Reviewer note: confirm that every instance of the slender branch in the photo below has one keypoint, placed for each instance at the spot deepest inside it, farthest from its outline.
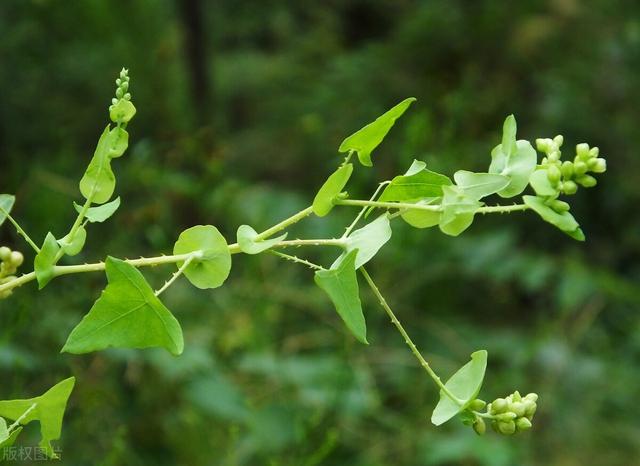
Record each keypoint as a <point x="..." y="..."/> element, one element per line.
<point x="427" y="207"/>
<point x="22" y="417"/>
<point x="311" y="242"/>
<point x="407" y="339"/>
<point x="285" y="223"/>
<point x="21" y="232"/>
<point x="364" y="209"/>
<point x="175" y="276"/>
<point x="296" y="259"/>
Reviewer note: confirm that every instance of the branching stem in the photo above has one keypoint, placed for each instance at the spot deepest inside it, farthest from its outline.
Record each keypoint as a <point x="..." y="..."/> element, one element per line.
<point x="407" y="338"/>
<point x="20" y="231"/>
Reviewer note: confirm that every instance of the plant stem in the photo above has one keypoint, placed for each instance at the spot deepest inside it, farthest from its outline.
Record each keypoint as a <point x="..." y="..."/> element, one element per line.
<point x="285" y="223"/>
<point x="20" y="231"/>
<point x="296" y="259"/>
<point x="22" y="417"/>
<point x="364" y="209"/>
<point x="175" y="276"/>
<point x="407" y="339"/>
<point x="430" y="208"/>
<point x="311" y="242"/>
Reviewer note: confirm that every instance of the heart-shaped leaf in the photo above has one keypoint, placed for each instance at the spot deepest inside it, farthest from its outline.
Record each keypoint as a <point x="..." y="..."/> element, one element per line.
<point x="101" y="213"/>
<point x="45" y="260"/>
<point x="417" y="185"/>
<point x="248" y="243"/>
<point x="6" y="204"/>
<point x="458" y="210"/>
<point x="540" y="183"/>
<point x="367" y="241"/>
<point x="465" y="385"/>
<point x="479" y="185"/>
<point x="513" y="159"/>
<point x="423" y="218"/>
<point x="73" y="246"/>
<point x="341" y="284"/>
<point x="323" y="202"/>
<point x="49" y="410"/>
<point x="564" y="220"/>
<point x="213" y="267"/>
<point x="365" y="140"/>
<point x="127" y="315"/>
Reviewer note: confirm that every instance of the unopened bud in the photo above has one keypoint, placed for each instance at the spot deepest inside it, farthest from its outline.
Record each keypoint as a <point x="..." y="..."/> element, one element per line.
<point x="567" y="169"/>
<point x="532" y="396"/>
<point x="518" y="408"/>
<point x="530" y="408"/>
<point x="587" y="181"/>
<point x="553" y="174"/>
<point x="594" y="152"/>
<point x="569" y="187"/>
<point x="479" y="426"/>
<point x="542" y="144"/>
<point x="508" y="416"/>
<point x="16" y="259"/>
<point x="580" y="168"/>
<point x="582" y="150"/>
<point x="5" y="253"/>
<point x="559" y="206"/>
<point x="507" y="428"/>
<point x="523" y="424"/>
<point x="554" y="156"/>
<point x="477" y="405"/>
<point x="599" y="165"/>
<point x="498" y="406"/>
<point x="558" y="140"/>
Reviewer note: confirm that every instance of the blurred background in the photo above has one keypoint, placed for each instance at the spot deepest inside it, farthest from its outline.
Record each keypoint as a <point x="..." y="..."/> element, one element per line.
<point x="241" y="108"/>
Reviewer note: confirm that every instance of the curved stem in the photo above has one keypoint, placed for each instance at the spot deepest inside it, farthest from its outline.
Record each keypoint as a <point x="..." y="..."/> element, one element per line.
<point x="20" y="231"/>
<point x="177" y="274"/>
<point x="364" y="209"/>
<point x="285" y="223"/>
<point x="407" y="339"/>
<point x="430" y="208"/>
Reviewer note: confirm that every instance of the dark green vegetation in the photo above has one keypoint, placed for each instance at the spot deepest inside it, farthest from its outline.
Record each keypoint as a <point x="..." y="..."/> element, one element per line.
<point x="240" y="125"/>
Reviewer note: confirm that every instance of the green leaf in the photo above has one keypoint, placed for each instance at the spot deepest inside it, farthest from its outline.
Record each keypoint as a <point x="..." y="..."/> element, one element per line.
<point x="49" y="410"/>
<point x="213" y="267"/>
<point x="514" y="159"/>
<point x="423" y="218"/>
<point x="367" y="240"/>
<point x="458" y="210"/>
<point x="101" y="213"/>
<point x="127" y="315"/>
<point x="464" y="385"/>
<point x="73" y="246"/>
<point x="479" y="185"/>
<point x="45" y="261"/>
<point x="6" y="204"/>
<point x="416" y="167"/>
<point x="248" y="244"/>
<point x="540" y="183"/>
<point x="99" y="182"/>
<point x="415" y="186"/>
<point x="323" y="202"/>
<point x="341" y="284"/>
<point x="564" y="221"/>
<point x="122" y="111"/>
<point x="365" y="140"/>
<point x="9" y="440"/>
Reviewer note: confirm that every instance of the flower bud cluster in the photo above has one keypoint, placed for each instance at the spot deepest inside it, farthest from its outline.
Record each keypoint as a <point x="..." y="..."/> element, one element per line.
<point x="513" y="413"/>
<point x="122" y="87"/>
<point x="9" y="263"/>
<point x="565" y="176"/>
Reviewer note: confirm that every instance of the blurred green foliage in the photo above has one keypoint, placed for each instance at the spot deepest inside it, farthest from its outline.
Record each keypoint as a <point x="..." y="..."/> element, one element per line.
<point x="242" y="106"/>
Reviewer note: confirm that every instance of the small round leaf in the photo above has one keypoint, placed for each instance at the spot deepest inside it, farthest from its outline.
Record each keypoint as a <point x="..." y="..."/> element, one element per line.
<point x="212" y="269"/>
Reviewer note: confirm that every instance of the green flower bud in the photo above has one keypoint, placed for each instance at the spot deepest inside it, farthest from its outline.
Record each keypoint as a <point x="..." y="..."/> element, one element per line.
<point x="532" y="396"/>
<point x="518" y="408"/>
<point x="567" y="169"/>
<point x="498" y="406"/>
<point x="554" y="156"/>
<point x="507" y="427"/>
<point x="587" y="181"/>
<point x="5" y="252"/>
<point x="559" y="206"/>
<point x="508" y="416"/>
<point x="516" y="396"/>
<point x="594" y="152"/>
<point x="553" y="173"/>
<point x="582" y="150"/>
<point x="569" y="187"/>
<point x="479" y="426"/>
<point x="530" y="408"/>
<point x="542" y="144"/>
<point x="599" y="165"/>
<point x="494" y="426"/>
<point x="558" y="140"/>
<point x="523" y="424"/>
<point x="580" y="168"/>
<point x="16" y="259"/>
<point x="477" y="405"/>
